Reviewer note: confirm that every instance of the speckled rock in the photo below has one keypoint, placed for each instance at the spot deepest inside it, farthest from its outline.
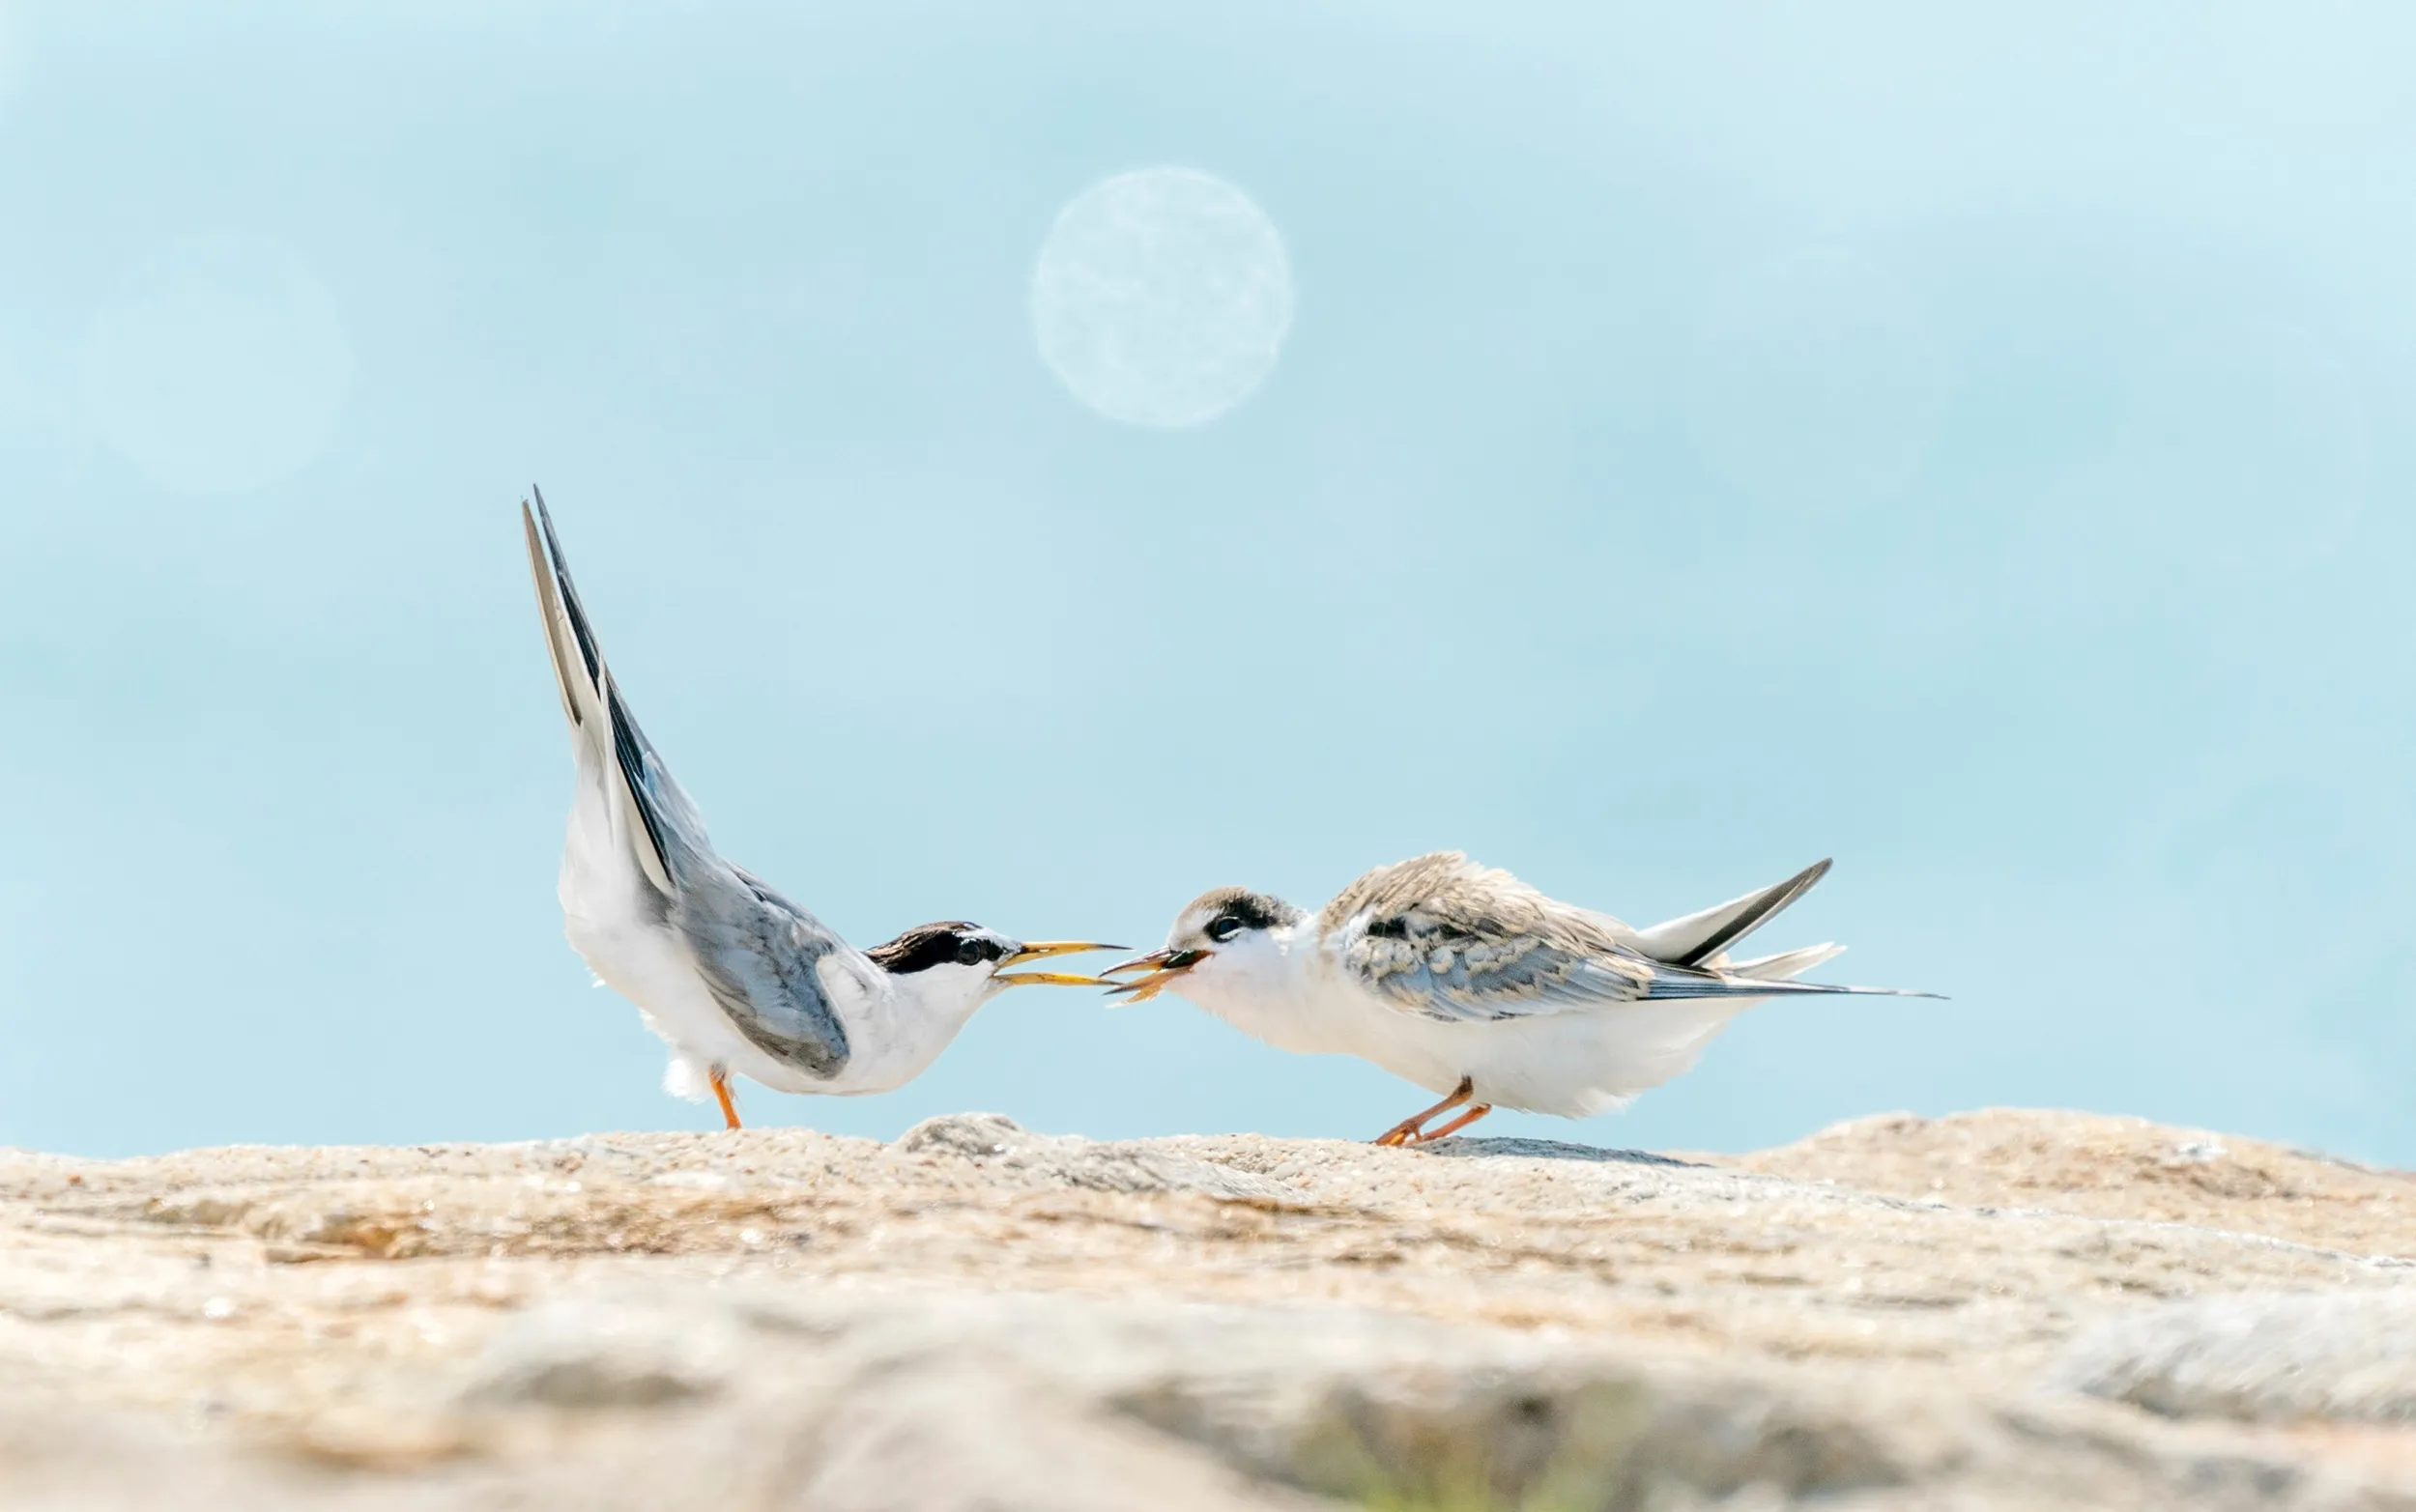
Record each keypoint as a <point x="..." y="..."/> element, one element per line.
<point x="2002" y="1309"/>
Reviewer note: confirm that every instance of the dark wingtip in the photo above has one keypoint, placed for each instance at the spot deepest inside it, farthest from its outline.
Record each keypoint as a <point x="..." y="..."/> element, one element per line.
<point x="1744" y="923"/>
<point x="552" y="541"/>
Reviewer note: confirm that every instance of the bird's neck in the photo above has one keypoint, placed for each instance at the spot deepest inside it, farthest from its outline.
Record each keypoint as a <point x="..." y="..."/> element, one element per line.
<point x="908" y="1025"/>
<point x="944" y="1005"/>
<point x="1264" y="992"/>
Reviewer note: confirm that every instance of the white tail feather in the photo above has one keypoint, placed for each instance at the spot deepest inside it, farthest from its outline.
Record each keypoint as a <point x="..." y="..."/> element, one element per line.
<point x="1785" y="965"/>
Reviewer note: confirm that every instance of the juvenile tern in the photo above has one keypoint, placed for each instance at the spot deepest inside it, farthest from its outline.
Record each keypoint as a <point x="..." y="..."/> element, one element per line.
<point x="736" y="979"/>
<point x="1473" y="985"/>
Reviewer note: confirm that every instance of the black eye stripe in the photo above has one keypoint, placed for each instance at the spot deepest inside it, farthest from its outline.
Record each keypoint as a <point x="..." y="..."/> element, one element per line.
<point x="1253" y="912"/>
<point x="930" y="944"/>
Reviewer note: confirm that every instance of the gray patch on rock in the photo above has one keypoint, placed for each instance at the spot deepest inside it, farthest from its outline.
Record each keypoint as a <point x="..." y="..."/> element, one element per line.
<point x="963" y="1439"/>
<point x="1552" y="1149"/>
<point x="607" y="1353"/>
<point x="2258" y="1357"/>
<point x="972" y="1136"/>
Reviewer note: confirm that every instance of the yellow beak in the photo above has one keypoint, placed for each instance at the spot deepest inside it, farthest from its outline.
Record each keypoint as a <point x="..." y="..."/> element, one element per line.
<point x="1042" y="949"/>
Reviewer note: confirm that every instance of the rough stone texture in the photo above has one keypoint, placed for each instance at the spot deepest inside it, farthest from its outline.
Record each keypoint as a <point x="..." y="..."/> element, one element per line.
<point x="2002" y="1309"/>
<point x="2114" y="1168"/>
<point x="2272" y="1359"/>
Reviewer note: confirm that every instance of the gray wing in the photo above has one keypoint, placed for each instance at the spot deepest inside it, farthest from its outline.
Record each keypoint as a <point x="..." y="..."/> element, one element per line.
<point x="757" y="951"/>
<point x="760" y="955"/>
<point x="1450" y="940"/>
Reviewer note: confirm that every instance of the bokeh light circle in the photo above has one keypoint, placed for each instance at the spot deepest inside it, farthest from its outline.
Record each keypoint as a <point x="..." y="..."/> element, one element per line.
<point x="1161" y="297"/>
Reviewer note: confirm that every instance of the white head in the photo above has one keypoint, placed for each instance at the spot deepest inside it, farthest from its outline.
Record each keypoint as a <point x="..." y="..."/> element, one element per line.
<point x="1225" y="943"/>
<point x="957" y="966"/>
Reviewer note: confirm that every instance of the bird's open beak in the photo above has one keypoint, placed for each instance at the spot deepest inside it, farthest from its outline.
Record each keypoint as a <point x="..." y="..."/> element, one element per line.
<point x="1042" y="949"/>
<point x="1162" y="966"/>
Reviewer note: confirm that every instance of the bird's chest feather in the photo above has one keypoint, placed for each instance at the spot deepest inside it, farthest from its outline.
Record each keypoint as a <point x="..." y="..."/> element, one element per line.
<point x="1299" y="1001"/>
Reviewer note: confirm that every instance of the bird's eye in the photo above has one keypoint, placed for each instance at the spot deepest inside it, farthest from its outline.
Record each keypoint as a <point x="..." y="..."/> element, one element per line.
<point x="970" y="954"/>
<point x="1225" y="929"/>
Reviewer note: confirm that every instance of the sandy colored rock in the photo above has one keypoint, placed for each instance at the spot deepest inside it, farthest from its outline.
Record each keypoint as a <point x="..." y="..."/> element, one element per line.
<point x="1893" y="1313"/>
<point x="2112" y="1167"/>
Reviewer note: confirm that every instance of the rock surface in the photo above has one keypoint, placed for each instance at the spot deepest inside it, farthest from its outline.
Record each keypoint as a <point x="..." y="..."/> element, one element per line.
<point x="1999" y="1310"/>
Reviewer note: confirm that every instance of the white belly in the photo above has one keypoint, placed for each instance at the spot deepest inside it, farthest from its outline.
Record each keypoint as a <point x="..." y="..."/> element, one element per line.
<point x="1575" y="1064"/>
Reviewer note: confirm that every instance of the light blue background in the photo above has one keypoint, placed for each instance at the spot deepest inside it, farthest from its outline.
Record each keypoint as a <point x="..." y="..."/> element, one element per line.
<point x="1711" y="439"/>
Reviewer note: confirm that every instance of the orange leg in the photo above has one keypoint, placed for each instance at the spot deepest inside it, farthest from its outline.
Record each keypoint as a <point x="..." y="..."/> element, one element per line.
<point x="1406" y="1131"/>
<point x="1456" y="1125"/>
<point x="730" y="1107"/>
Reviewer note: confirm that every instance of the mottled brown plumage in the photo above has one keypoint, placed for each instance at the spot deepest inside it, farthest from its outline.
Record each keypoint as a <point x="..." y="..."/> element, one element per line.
<point x="1251" y="910"/>
<point x="1441" y="936"/>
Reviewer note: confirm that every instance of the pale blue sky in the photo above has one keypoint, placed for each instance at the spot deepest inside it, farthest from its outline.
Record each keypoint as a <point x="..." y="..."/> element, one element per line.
<point x="1709" y="439"/>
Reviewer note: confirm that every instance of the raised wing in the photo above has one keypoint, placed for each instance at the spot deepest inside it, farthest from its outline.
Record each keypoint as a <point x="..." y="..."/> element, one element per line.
<point x="760" y="956"/>
<point x="663" y="823"/>
<point x="759" y="953"/>
<point x="1444" y="937"/>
